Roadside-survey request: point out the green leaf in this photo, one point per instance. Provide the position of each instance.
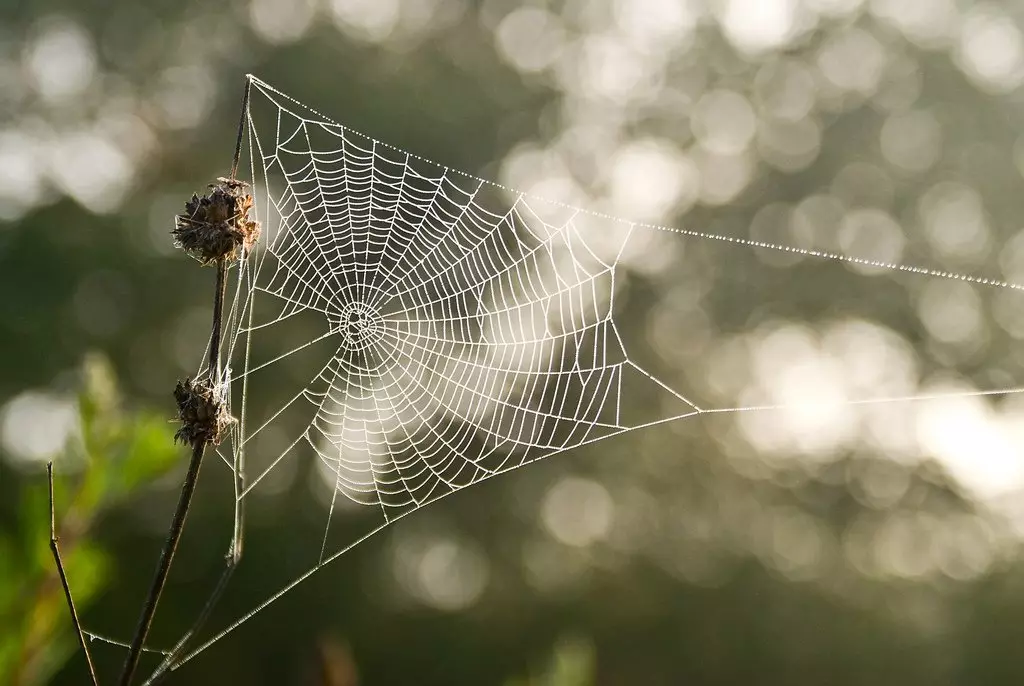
(151, 452)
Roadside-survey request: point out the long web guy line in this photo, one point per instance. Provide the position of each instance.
(267, 89)
(428, 420)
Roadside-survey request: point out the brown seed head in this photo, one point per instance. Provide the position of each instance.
(217, 225)
(203, 414)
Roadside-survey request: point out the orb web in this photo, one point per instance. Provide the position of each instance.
(462, 329)
(415, 329)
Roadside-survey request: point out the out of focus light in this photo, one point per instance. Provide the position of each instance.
(281, 21)
(36, 425)
(773, 224)
(814, 417)
(399, 23)
(871, 234)
(650, 178)
(784, 89)
(917, 545)
(756, 25)
(853, 60)
(929, 23)
(981, 446)
(369, 20)
(863, 185)
(440, 571)
(656, 23)
(954, 221)
(608, 69)
(991, 49)
(723, 121)
(530, 39)
(22, 174)
(722, 176)
(1008, 313)
(818, 215)
(92, 169)
(951, 312)
(911, 140)
(796, 542)
(789, 146)
(185, 95)
(834, 8)
(577, 511)
(60, 60)
(816, 381)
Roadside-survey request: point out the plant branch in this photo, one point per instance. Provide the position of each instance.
(55, 548)
(198, 449)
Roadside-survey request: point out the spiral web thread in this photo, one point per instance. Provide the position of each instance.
(469, 333)
(455, 328)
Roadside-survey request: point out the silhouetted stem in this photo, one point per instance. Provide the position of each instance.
(55, 548)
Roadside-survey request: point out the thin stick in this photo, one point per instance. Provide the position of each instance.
(241, 127)
(198, 450)
(55, 548)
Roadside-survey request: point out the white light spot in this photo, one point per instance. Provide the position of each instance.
(758, 25)
(911, 140)
(91, 169)
(281, 21)
(651, 178)
(578, 512)
(36, 425)
(724, 122)
(22, 174)
(60, 60)
(834, 8)
(656, 23)
(368, 20)
(928, 23)
(981, 447)
(784, 89)
(610, 69)
(722, 176)
(853, 60)
(951, 311)
(873, 236)
(991, 50)
(441, 571)
(530, 39)
(954, 220)
(184, 96)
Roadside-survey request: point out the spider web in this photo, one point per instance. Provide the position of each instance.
(417, 329)
(464, 332)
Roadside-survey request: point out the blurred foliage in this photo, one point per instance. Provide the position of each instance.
(113, 454)
(572, 664)
(886, 128)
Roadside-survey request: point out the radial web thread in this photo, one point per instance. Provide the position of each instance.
(466, 329)
(417, 329)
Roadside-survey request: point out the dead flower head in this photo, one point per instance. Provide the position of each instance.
(217, 225)
(202, 412)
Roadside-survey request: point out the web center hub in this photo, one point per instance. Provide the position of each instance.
(359, 325)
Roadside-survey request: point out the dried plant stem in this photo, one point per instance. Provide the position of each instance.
(188, 488)
(198, 450)
(55, 548)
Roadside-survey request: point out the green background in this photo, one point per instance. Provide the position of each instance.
(113, 113)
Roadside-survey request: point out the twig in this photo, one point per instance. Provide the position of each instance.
(55, 548)
(198, 449)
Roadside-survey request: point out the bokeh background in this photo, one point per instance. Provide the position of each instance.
(826, 542)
